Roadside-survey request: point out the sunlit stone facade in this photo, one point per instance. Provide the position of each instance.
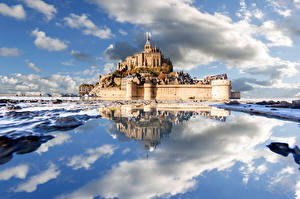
(151, 57)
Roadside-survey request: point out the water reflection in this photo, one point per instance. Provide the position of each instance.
(150, 125)
(196, 156)
(284, 150)
(193, 147)
(20, 145)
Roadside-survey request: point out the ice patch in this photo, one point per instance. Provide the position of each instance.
(41, 118)
(282, 113)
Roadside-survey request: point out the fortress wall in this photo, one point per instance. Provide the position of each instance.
(219, 90)
(111, 94)
(182, 92)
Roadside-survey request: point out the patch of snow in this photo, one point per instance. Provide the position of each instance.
(283, 113)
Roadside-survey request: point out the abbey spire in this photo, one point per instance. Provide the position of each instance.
(147, 47)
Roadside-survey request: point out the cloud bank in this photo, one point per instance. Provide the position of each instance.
(16, 11)
(35, 84)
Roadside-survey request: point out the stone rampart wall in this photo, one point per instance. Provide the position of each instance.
(219, 90)
(111, 94)
(182, 92)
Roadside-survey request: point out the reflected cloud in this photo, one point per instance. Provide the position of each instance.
(261, 169)
(17, 172)
(59, 139)
(31, 185)
(283, 180)
(91, 156)
(126, 151)
(192, 148)
(297, 189)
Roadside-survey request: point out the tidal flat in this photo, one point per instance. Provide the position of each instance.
(79, 149)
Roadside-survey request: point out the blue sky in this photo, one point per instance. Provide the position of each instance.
(53, 46)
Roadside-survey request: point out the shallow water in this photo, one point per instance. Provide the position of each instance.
(147, 153)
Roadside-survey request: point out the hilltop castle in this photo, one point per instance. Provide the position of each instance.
(150, 58)
(148, 75)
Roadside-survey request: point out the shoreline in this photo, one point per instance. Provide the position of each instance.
(250, 106)
(91, 100)
(288, 114)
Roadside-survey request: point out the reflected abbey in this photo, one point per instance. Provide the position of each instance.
(150, 125)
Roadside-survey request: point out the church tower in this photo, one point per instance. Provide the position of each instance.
(147, 48)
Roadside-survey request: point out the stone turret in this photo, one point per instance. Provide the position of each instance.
(129, 90)
(220, 90)
(148, 90)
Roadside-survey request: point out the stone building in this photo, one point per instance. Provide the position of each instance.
(151, 58)
(85, 89)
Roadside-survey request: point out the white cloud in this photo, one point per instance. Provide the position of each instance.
(48, 10)
(59, 138)
(172, 168)
(261, 169)
(285, 13)
(9, 52)
(47, 43)
(35, 84)
(297, 3)
(258, 14)
(32, 66)
(17, 172)
(90, 157)
(126, 151)
(108, 68)
(68, 63)
(89, 75)
(82, 56)
(283, 179)
(16, 11)
(87, 26)
(123, 32)
(31, 185)
(119, 51)
(247, 13)
(280, 7)
(289, 140)
(244, 13)
(275, 34)
(297, 189)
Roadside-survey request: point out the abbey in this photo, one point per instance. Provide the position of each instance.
(148, 75)
(150, 58)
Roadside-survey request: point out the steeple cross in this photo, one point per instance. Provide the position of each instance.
(148, 36)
